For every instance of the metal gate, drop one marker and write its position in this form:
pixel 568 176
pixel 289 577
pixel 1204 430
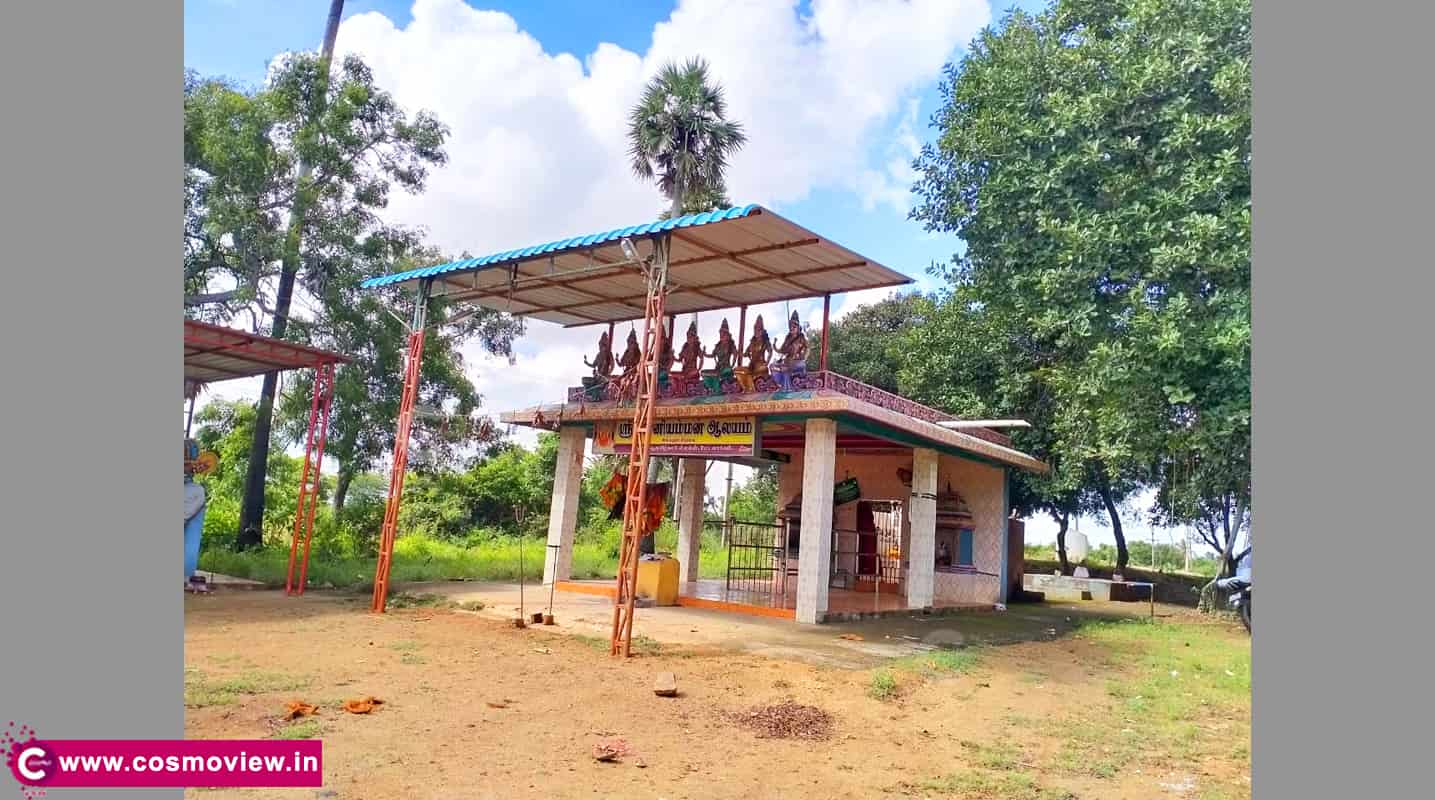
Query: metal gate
pixel 758 560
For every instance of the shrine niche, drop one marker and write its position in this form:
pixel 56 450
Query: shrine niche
pixel 956 531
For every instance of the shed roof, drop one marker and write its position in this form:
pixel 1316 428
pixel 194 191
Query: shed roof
pixel 216 353
pixel 745 255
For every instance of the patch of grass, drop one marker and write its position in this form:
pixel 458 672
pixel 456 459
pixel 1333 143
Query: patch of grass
pixel 201 692
pixel 304 729
pixel 422 600
pixel 977 784
pixel 883 685
pixel 404 645
pixel 485 557
pixel 1034 677
pixel 942 662
pixel 412 658
pixel 471 605
pixel 1002 756
pixel 1166 680
pixel 641 645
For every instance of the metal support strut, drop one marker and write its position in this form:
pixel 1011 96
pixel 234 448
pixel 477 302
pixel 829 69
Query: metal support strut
pixel 637 487
pixel 401 451
pixel 309 478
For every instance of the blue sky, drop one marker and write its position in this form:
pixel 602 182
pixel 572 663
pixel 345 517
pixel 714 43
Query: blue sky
pixel 849 186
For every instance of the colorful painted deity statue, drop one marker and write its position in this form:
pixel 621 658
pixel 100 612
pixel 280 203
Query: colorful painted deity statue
pixel 758 352
pixel 628 380
pixel 793 354
pixel 665 359
pixel 602 364
pixel 691 355
pixel 630 358
pixel 724 354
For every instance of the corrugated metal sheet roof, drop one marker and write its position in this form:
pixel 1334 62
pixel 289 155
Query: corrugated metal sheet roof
pixel 216 353
pixel 746 255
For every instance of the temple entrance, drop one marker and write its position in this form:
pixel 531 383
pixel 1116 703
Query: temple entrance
pixel 868 558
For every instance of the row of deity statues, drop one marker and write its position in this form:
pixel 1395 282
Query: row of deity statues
pixel 747 368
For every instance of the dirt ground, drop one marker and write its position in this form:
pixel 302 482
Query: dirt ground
pixel 475 708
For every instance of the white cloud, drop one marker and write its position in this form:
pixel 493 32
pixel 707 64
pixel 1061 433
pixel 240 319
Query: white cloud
pixel 537 148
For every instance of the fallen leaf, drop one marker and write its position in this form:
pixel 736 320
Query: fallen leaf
pixel 851 637
pixel 362 705
pixel 492 704
pixel 295 709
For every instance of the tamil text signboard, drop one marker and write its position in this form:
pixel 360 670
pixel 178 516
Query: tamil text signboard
pixel 694 437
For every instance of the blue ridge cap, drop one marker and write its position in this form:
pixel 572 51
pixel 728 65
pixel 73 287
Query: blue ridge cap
pixel 561 245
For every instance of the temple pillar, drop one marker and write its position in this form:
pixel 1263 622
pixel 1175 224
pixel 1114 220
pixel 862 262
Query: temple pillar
pixel 922 511
pixel 563 513
pixel 814 558
pixel 692 475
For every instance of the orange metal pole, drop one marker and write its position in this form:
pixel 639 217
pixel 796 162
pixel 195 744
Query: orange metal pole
pixel 401 452
pixel 325 406
pixel 304 487
pixel 637 488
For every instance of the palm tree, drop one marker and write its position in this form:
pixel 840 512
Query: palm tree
pixel 678 133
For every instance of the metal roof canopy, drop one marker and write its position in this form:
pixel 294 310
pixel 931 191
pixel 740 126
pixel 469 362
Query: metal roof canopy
pixel 739 256
pixel 216 353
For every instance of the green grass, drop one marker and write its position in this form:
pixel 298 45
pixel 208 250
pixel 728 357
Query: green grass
pixel 404 645
pixel 889 681
pixel 1176 676
pixel 420 558
pixel 471 605
pixel 940 663
pixel 641 645
pixel 412 658
pixel 304 729
pixel 1001 755
pixel 201 691
pixel 883 685
pixel 988 786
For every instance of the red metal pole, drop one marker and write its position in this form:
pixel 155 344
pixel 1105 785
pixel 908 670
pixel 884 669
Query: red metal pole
pixel 412 369
pixel 826 307
pixel 326 372
pixel 304 482
pixel 396 474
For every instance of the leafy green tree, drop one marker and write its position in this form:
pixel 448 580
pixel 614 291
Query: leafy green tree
pixel 867 344
pixel 1095 159
pixel 227 429
pixel 679 134
pixel 755 499
pixel 363 325
pixel 323 154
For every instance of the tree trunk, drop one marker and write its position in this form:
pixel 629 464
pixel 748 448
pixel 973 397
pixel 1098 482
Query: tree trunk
pixel 1122 556
pixel 1062 521
pixel 251 513
pixel 341 489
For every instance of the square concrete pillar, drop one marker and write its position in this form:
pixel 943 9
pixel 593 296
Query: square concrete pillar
pixel 922 552
pixel 814 558
pixel 563 513
pixel 692 488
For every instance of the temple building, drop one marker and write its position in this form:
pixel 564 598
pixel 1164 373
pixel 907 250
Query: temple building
pixel 885 505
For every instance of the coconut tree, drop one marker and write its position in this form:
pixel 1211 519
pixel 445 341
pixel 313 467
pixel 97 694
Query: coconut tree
pixel 679 134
